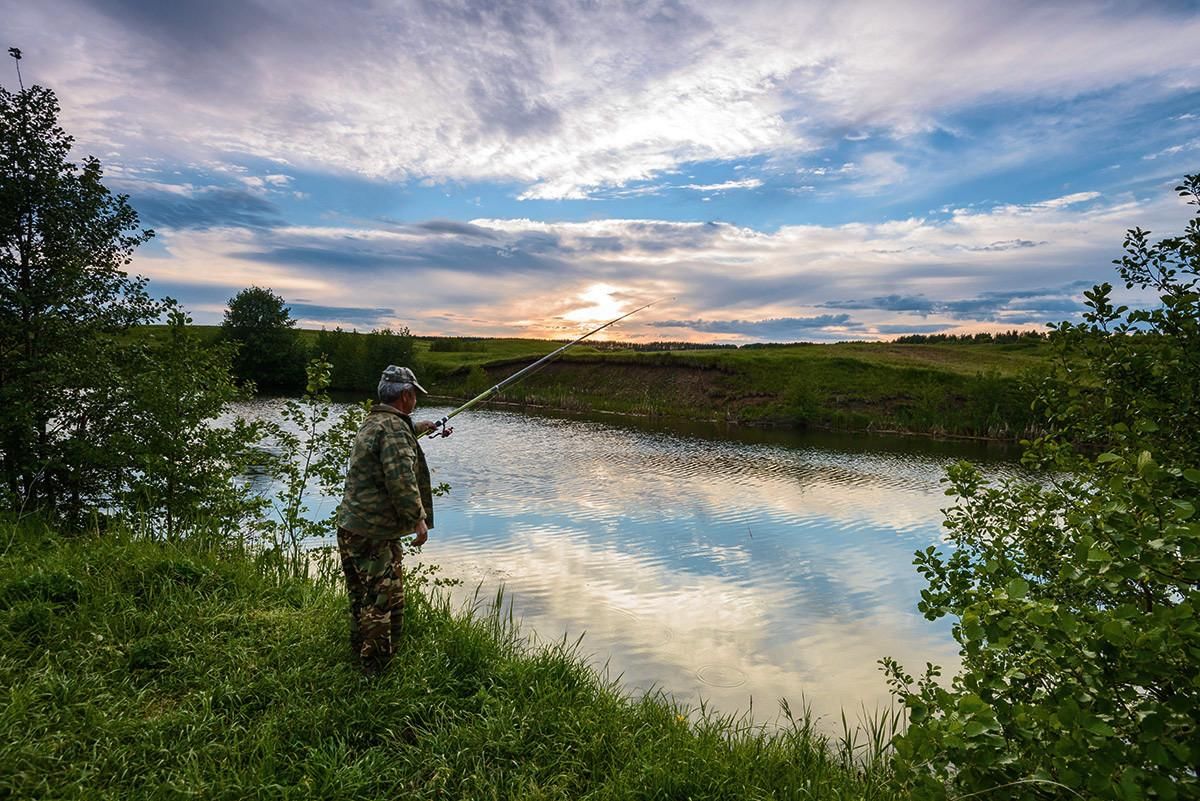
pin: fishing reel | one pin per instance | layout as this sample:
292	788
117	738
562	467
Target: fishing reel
440	429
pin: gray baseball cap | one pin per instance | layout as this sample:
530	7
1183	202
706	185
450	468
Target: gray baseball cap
401	375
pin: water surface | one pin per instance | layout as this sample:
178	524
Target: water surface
733	566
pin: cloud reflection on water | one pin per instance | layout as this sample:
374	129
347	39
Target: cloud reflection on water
658	626
712	569
692	563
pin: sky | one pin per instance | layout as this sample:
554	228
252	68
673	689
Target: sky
767	171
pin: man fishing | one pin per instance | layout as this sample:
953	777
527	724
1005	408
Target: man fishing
387	497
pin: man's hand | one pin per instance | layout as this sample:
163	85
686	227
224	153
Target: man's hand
422	532
425	426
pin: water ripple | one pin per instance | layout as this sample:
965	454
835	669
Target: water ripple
774	568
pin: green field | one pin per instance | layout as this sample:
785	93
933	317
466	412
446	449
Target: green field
970	389
956	389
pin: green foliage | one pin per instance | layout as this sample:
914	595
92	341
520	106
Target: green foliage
358	359
182	464
999	338
64	241
477	381
56	587
268	350
1076	592
310	446
457	345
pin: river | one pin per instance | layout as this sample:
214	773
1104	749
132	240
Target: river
730	566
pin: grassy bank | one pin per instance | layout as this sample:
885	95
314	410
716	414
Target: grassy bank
134	669
971	389
956	389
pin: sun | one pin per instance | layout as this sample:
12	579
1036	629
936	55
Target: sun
602	306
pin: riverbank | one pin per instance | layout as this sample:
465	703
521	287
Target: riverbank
136	669
966	389
949	390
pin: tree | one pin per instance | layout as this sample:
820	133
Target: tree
181	464
261	325
344	350
358	359
1076	593
64	298
311	445
383	347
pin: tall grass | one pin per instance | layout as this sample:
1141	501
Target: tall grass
135	669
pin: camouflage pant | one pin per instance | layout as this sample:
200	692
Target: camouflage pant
376	587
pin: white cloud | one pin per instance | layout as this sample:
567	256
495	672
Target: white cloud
748	183
532	278
1067	200
564	99
1174	150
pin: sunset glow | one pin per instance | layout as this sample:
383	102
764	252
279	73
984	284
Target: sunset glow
788	171
601	307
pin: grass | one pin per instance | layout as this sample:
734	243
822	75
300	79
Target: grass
968	389
953	389
134	669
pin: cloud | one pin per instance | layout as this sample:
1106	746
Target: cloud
1002	306
893	329
506	277
1174	150
564	99
748	183
1011	244
359	315
779	328
1067	200
454	228
177	207
435	245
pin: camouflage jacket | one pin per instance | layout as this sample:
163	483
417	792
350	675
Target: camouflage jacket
387	485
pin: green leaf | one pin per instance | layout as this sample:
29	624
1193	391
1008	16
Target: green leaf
1106	457
1098	555
1114	631
974	728
1068	712
1017	588
1192	475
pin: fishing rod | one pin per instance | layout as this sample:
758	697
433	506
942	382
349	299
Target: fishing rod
525	371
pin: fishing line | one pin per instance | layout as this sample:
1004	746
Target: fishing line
439	426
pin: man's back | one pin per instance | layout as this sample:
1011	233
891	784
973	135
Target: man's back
387	478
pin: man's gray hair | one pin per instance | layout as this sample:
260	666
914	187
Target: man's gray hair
389	391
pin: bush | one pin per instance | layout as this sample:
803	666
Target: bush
1076	592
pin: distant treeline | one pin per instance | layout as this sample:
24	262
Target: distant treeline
480	345
643	347
458	345
358	358
1000	337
